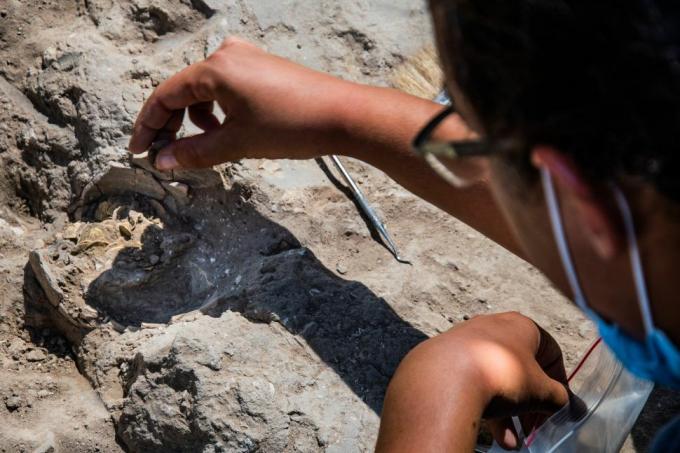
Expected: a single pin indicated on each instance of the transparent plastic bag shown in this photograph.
(610, 400)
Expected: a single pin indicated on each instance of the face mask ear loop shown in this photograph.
(635, 260)
(561, 238)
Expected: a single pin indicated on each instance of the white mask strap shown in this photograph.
(561, 239)
(635, 260)
(565, 254)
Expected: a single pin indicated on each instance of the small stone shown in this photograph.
(17, 346)
(341, 268)
(118, 327)
(154, 259)
(36, 355)
(103, 211)
(44, 393)
(13, 403)
(134, 217)
(466, 318)
(71, 232)
(125, 231)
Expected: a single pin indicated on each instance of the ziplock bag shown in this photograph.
(610, 400)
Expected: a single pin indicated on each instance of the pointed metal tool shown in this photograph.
(442, 98)
(376, 221)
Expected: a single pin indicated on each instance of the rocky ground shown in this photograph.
(247, 308)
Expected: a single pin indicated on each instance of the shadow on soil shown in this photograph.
(221, 254)
(663, 405)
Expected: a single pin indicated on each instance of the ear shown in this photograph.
(600, 223)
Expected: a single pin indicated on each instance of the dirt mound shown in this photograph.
(242, 309)
(166, 286)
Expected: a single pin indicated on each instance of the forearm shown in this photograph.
(434, 402)
(378, 126)
(439, 426)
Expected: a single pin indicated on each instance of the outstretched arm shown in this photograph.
(277, 109)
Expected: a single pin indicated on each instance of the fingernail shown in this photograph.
(166, 161)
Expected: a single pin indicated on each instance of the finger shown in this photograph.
(188, 87)
(549, 375)
(503, 432)
(550, 395)
(143, 133)
(168, 134)
(174, 124)
(198, 151)
(577, 407)
(202, 116)
(549, 357)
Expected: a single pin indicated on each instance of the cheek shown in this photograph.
(524, 210)
(467, 171)
(511, 206)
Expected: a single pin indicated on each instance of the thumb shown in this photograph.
(198, 151)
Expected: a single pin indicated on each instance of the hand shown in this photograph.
(274, 109)
(534, 391)
(492, 366)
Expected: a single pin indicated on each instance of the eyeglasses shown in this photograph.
(443, 155)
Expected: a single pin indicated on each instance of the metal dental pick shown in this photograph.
(442, 98)
(376, 221)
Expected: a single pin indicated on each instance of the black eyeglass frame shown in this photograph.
(423, 145)
(434, 151)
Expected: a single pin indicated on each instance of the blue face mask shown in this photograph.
(657, 358)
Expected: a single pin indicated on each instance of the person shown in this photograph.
(562, 147)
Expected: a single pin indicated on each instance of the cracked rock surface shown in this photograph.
(245, 308)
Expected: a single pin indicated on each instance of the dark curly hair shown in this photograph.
(599, 80)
